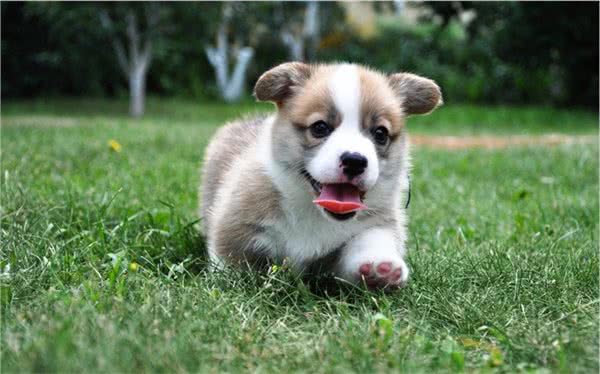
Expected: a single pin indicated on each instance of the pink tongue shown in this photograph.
(340, 198)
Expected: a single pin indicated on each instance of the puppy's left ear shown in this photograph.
(282, 82)
(418, 95)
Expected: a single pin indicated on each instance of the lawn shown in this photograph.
(102, 266)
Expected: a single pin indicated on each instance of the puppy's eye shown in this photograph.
(381, 135)
(320, 129)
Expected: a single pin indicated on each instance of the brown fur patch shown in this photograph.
(311, 103)
(250, 204)
(418, 95)
(379, 104)
(314, 97)
(228, 143)
(281, 82)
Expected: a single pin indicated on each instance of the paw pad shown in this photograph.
(365, 269)
(386, 274)
(384, 268)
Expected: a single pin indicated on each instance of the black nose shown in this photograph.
(354, 163)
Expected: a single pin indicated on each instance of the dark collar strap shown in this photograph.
(408, 199)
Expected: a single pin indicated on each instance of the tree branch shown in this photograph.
(311, 24)
(133, 37)
(146, 56)
(107, 23)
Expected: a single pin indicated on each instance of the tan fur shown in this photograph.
(229, 142)
(418, 95)
(252, 203)
(281, 82)
(313, 98)
(379, 104)
(252, 200)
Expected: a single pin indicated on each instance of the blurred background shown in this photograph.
(484, 53)
(106, 111)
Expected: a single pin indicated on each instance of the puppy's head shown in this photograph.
(339, 128)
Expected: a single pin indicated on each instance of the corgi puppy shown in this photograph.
(324, 180)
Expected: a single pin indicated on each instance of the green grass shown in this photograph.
(450, 119)
(102, 269)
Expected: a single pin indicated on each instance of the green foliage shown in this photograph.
(510, 53)
(102, 267)
(565, 48)
(49, 49)
(545, 49)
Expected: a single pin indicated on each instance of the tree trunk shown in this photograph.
(231, 86)
(399, 7)
(302, 43)
(137, 92)
(311, 28)
(235, 87)
(135, 62)
(295, 45)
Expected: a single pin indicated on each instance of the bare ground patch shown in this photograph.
(39, 121)
(497, 142)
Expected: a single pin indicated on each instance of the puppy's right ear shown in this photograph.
(281, 82)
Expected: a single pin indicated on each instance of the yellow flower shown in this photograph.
(114, 145)
(134, 266)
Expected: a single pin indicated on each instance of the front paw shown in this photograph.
(374, 258)
(384, 273)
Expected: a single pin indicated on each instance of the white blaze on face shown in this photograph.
(344, 87)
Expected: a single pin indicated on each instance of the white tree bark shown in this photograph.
(235, 86)
(399, 7)
(135, 62)
(296, 42)
(311, 19)
(295, 45)
(137, 92)
(230, 85)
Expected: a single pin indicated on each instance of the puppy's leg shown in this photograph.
(375, 256)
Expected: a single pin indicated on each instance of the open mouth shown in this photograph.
(340, 200)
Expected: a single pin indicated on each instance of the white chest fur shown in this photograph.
(304, 234)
